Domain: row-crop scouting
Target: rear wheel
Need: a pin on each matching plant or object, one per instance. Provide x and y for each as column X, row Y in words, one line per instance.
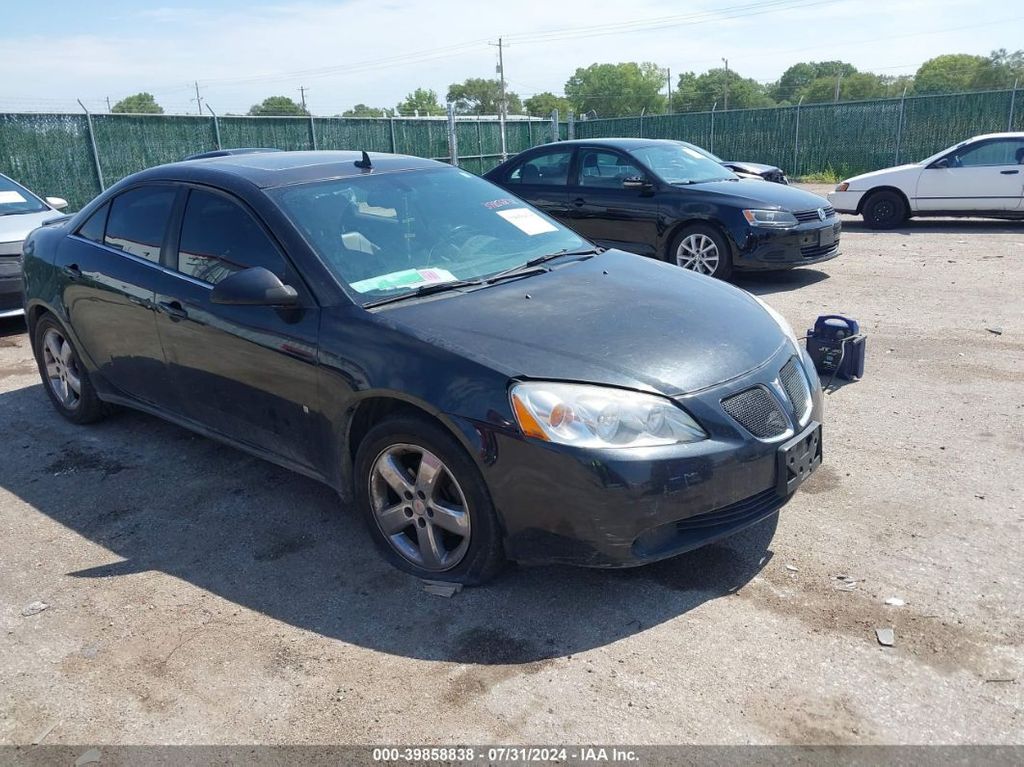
column 884, row 210
column 64, row 377
column 702, row 249
column 426, row 503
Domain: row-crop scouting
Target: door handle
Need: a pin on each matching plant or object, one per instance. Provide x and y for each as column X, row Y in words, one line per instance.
column 173, row 309
column 579, row 202
column 1009, row 172
column 72, row 271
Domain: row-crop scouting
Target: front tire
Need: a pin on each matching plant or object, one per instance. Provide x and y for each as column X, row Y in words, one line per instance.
column 426, row 504
column 884, row 209
column 65, row 379
column 702, row 249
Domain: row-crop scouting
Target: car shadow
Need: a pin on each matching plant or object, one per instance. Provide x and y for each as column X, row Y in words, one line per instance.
column 939, row 226
column 768, row 283
column 159, row 498
column 12, row 326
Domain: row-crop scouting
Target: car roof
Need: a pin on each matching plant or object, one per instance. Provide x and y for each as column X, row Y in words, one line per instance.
column 1015, row 134
column 621, row 143
column 269, row 169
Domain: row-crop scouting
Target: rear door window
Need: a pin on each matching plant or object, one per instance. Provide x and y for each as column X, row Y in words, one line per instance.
column 551, row 169
column 138, row 221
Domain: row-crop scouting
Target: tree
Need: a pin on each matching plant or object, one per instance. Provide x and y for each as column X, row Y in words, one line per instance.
column 541, row 105
column 276, row 106
column 139, row 104
column 616, row 90
column 811, row 81
column 421, row 101
column 478, row 96
column 699, row 93
column 361, row 110
column 949, row 73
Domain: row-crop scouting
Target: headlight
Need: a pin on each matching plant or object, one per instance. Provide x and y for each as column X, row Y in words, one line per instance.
column 784, row 326
column 843, row 186
column 598, row 416
column 771, row 219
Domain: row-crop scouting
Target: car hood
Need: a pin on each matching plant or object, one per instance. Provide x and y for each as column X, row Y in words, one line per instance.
column 615, row 319
column 15, row 227
column 754, row 193
column 751, row 167
column 891, row 175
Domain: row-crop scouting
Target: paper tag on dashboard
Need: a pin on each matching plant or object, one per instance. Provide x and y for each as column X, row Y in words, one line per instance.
column 7, row 198
column 525, row 220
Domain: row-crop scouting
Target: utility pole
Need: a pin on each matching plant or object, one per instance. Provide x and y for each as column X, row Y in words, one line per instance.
column 199, row 100
column 725, row 95
column 668, row 79
column 302, row 91
column 108, row 104
column 503, row 107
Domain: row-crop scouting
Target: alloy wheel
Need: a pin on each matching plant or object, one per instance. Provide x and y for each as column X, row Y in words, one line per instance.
column 698, row 253
column 62, row 371
column 418, row 505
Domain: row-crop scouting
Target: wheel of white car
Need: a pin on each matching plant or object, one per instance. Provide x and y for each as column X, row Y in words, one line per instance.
column 884, row 209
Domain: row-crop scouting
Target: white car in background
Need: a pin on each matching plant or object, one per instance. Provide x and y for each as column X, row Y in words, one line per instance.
column 20, row 213
column 983, row 176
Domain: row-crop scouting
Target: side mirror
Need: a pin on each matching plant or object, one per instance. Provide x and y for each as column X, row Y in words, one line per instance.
column 254, row 287
column 57, row 203
column 943, row 163
column 636, row 182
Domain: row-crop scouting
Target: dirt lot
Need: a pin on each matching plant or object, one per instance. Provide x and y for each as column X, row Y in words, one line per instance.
column 197, row 595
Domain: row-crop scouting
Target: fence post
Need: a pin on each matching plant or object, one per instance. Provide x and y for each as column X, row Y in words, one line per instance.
column 529, row 129
column 479, row 143
column 572, row 125
column 899, row 127
column 312, row 133
column 453, row 139
column 391, row 122
column 1013, row 97
column 713, row 108
column 92, row 141
column 641, row 131
column 796, row 139
column 216, row 125
column 554, row 125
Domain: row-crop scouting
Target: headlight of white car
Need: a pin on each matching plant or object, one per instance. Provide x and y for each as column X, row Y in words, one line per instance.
column 770, row 219
column 583, row 415
column 784, row 326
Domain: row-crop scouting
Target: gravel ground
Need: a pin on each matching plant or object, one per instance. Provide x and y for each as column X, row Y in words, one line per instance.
column 197, row 595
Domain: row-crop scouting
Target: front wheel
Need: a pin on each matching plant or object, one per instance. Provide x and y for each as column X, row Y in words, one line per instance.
column 702, row 249
column 884, row 210
column 426, row 504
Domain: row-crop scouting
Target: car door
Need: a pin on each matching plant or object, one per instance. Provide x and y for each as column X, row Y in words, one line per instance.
column 110, row 269
column 247, row 372
column 540, row 178
column 604, row 210
column 987, row 175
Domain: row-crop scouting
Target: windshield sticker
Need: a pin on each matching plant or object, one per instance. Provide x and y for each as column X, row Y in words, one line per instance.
column 525, row 220
column 495, row 204
column 11, row 197
column 407, row 278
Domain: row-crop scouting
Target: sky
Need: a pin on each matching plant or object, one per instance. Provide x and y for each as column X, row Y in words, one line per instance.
column 376, row 51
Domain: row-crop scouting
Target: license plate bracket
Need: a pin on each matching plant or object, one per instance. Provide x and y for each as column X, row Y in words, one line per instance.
column 797, row 459
column 827, row 237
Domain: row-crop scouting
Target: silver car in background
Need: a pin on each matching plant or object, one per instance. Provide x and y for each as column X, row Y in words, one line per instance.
column 20, row 213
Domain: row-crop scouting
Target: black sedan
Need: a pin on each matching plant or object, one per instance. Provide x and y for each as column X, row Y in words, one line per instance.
column 669, row 200
column 475, row 375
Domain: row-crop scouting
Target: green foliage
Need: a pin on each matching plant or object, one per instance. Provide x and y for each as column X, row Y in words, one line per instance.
column 541, row 105
column 614, row 90
column 138, row 104
column 957, row 72
column 361, row 110
column 699, row 93
column 477, row 96
column 421, row 101
column 276, row 106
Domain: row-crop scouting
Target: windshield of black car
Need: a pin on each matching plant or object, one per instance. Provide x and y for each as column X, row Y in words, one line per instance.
column 15, row 198
column 680, row 164
column 387, row 234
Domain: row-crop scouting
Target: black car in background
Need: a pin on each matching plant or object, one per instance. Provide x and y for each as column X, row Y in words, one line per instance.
column 669, row 200
column 473, row 373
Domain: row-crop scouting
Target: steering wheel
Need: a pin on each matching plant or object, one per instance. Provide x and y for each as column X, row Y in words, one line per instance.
column 451, row 240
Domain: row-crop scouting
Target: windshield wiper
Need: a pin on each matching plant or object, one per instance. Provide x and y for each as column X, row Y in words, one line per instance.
column 533, row 263
column 424, row 290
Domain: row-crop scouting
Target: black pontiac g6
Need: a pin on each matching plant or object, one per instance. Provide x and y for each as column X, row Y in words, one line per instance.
column 481, row 381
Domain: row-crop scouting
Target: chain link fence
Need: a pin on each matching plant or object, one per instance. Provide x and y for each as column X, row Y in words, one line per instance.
column 77, row 155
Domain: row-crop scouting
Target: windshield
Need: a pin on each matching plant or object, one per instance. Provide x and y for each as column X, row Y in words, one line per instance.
column 681, row 164
column 394, row 233
column 15, row 198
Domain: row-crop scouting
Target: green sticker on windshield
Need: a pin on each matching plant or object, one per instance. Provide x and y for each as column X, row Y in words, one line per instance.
column 407, row 278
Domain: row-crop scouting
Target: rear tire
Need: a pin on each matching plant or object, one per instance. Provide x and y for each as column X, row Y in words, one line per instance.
column 426, row 504
column 703, row 249
column 65, row 379
column 884, row 209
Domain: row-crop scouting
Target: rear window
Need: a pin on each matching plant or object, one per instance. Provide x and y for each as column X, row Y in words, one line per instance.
column 138, row 221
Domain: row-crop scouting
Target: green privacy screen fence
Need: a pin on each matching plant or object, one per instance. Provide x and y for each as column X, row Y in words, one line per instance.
column 67, row 154
column 846, row 138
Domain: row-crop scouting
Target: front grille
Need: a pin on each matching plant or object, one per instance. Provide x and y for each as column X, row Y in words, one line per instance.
column 819, row 251
column 757, row 411
column 812, row 215
column 797, row 389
